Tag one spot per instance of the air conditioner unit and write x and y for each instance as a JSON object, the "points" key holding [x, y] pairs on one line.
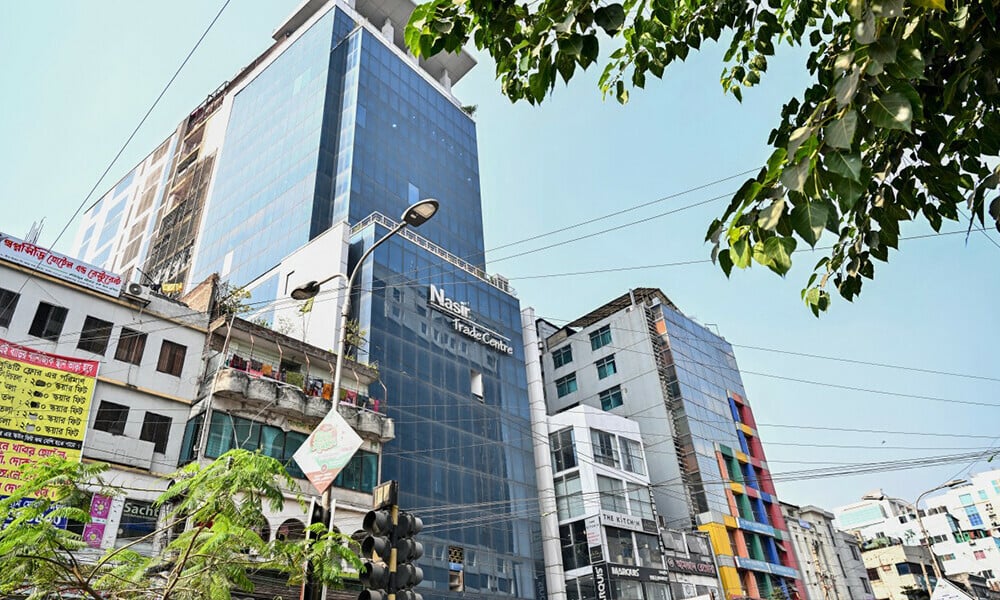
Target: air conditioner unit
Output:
{"points": [[137, 291]]}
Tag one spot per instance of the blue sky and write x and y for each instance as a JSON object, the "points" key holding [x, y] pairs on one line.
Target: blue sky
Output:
{"points": [[78, 76]]}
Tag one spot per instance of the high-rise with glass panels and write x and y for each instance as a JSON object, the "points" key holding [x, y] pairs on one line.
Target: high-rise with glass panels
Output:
{"points": [[288, 173], [640, 357]]}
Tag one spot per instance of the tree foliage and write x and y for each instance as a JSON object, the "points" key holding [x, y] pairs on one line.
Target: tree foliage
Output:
{"points": [[221, 505], [897, 125]]}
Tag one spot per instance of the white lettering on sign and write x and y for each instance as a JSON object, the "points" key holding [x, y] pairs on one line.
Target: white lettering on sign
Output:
{"points": [[462, 321], [600, 583], [624, 571]]}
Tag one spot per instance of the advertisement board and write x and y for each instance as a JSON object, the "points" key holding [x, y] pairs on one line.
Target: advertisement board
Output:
{"points": [[327, 450], [59, 265], [44, 406]]}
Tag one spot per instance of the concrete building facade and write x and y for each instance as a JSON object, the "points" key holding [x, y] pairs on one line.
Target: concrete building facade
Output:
{"points": [[829, 559], [639, 357]]}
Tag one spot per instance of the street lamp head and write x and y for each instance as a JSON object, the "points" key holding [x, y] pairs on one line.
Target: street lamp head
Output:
{"points": [[306, 291], [421, 212], [956, 483]]}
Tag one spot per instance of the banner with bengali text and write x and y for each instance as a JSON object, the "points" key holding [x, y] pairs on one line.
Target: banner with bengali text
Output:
{"points": [[44, 408], [59, 265]]}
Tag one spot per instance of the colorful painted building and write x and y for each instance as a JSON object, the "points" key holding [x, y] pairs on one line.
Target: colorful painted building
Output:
{"points": [[640, 357]]}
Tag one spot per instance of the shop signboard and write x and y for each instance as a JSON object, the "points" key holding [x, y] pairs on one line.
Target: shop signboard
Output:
{"points": [[59, 265]]}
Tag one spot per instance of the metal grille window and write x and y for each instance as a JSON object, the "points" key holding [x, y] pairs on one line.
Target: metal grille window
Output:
{"points": [[563, 450], [632, 456], [95, 335], [611, 398], [562, 356], [131, 345], [566, 385], [605, 448], [600, 338], [8, 302], [48, 321], [606, 367]]}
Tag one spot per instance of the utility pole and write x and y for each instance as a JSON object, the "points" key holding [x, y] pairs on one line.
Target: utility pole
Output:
{"points": [[821, 571]]}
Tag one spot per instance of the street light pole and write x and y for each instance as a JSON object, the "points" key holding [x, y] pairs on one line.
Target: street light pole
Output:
{"points": [[923, 531], [416, 215]]}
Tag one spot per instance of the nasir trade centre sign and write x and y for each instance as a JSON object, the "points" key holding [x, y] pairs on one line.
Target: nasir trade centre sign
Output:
{"points": [[44, 406]]}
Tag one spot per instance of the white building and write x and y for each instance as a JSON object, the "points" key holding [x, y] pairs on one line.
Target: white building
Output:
{"points": [[607, 522], [829, 559], [148, 351]]}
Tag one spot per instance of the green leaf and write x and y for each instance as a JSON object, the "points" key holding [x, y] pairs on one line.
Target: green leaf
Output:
{"points": [[884, 50], [610, 18], [909, 64], [840, 133], [864, 29], [769, 217], [726, 263], [798, 136], [779, 251], [620, 92], [845, 165], [932, 4], [847, 87], [740, 253], [891, 111], [794, 176], [808, 220], [848, 191], [591, 48], [888, 9]]}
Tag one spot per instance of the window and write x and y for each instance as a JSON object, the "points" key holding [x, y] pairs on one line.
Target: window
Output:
{"points": [[111, 418], [563, 450], [982, 495], [974, 518], [569, 496], [566, 385], [600, 338], [979, 554], [131, 345], [48, 322], [192, 435], [606, 367], [621, 547], [605, 448], [156, 429], [8, 302], [864, 584], [965, 499], [95, 335], [171, 358], [948, 556], [649, 550], [476, 384], [632, 456], [360, 474], [562, 356], [573, 538], [227, 432], [612, 494], [640, 504], [611, 398]]}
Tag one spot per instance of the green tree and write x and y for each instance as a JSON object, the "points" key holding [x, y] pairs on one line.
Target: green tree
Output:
{"points": [[897, 124], [221, 504]]}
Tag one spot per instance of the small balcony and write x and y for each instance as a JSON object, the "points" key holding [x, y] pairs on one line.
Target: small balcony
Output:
{"points": [[290, 401]]}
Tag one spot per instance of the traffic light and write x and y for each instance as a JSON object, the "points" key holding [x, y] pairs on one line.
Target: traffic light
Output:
{"points": [[376, 548], [390, 550], [408, 550]]}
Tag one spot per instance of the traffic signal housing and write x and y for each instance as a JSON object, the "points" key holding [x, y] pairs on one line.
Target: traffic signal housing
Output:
{"points": [[390, 552]]}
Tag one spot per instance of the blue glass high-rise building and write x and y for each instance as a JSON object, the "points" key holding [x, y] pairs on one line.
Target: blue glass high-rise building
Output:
{"points": [[337, 123]]}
